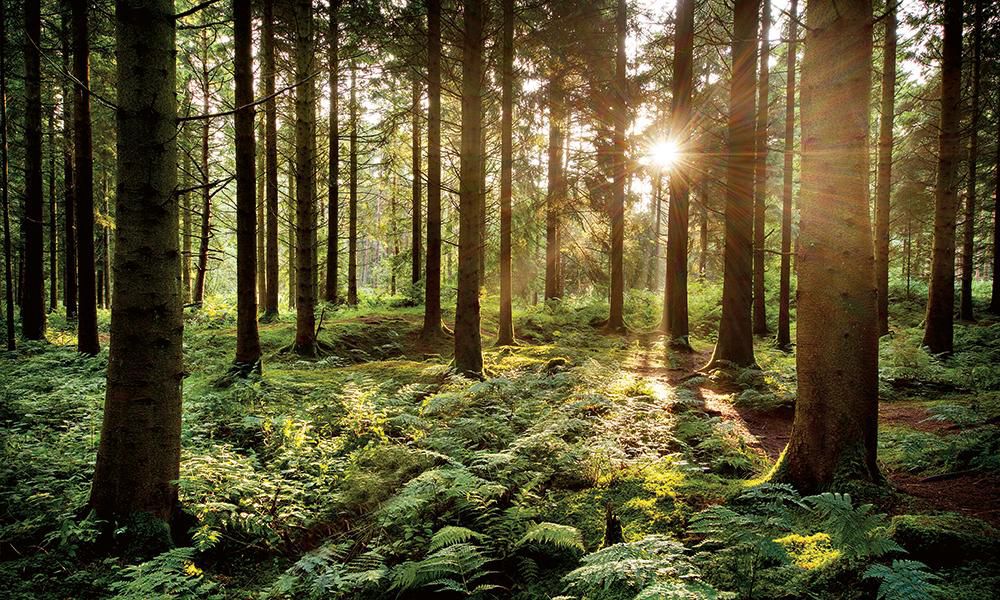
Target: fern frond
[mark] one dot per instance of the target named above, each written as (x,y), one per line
(451,534)
(904,580)
(553,534)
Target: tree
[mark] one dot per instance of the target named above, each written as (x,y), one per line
(432,275)
(969,227)
(784,339)
(415,184)
(270,162)
(555,196)
(7,252)
(468,342)
(87,341)
(760,174)
(69,204)
(883,186)
(735,343)
(247,338)
(505,336)
(939,322)
(33,294)
(138,461)
(186,234)
(675,316)
(616,209)
(995,291)
(201,270)
(833,436)
(352,227)
(53,219)
(305,180)
(333,194)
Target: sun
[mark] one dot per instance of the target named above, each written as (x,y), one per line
(664,154)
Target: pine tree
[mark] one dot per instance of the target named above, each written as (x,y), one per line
(87,341)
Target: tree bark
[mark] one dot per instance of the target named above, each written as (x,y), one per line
(33,290)
(247,339)
(70,294)
(106,244)
(186,234)
(87,340)
(333,195)
(138,462)
(833,436)
(415,184)
(995,291)
(261,212)
(505,336)
(784,339)
(675,316)
(883,186)
(270,162)
(432,285)
(352,231)
(291,234)
(735,343)
(556,192)
(468,341)
(965,311)
(939,322)
(305,180)
(53,219)
(760,174)
(4,158)
(703,228)
(616,209)
(201,271)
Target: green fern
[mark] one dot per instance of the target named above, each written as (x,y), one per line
(904,580)
(171,575)
(857,532)
(451,534)
(459,568)
(553,534)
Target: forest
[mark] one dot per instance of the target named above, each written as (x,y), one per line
(527,299)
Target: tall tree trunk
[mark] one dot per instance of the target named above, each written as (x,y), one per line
(995,291)
(616,209)
(291,235)
(260,218)
(703,228)
(53,219)
(784,339)
(206,190)
(138,462)
(556,193)
(833,436)
(4,157)
(106,244)
(505,336)
(186,233)
(653,277)
(394,234)
(305,180)
(270,162)
(675,315)
(415,184)
(87,341)
(939,322)
(247,339)
(352,228)
(735,344)
(969,229)
(432,275)
(760,174)
(468,341)
(33,297)
(69,204)
(883,186)
(333,195)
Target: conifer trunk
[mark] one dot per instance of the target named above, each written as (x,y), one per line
(270,162)
(138,462)
(415,161)
(505,335)
(784,338)
(939,321)
(352,231)
(4,157)
(87,341)
(201,271)
(965,311)
(186,234)
(432,283)
(333,194)
(995,291)
(53,219)
(32,263)
(616,210)
(305,180)
(70,293)
(556,191)
(833,436)
(760,174)
(883,187)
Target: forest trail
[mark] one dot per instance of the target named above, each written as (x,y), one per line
(970,493)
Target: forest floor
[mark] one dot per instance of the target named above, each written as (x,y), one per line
(374,472)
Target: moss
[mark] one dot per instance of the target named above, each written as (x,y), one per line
(945,539)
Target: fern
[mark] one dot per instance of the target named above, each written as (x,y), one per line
(450,534)
(170,575)
(857,532)
(459,568)
(904,580)
(553,534)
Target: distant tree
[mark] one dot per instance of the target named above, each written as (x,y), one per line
(53,226)
(468,341)
(201,269)
(965,311)
(333,194)
(760,173)
(995,291)
(883,186)
(735,344)
(305,181)
(784,340)
(432,275)
(833,436)
(940,319)
(33,288)
(138,461)
(70,292)
(505,335)
(4,157)
(555,197)
(352,227)
(87,340)
(415,184)
(270,161)
(616,209)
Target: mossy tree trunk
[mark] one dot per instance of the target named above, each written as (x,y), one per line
(305,181)
(833,436)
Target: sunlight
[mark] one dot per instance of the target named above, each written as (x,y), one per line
(664,154)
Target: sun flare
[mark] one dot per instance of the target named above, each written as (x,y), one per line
(664,154)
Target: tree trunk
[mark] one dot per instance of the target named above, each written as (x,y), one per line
(468,341)
(352,231)
(270,162)
(138,462)
(760,174)
(784,339)
(415,194)
(261,244)
(69,204)
(735,344)
(186,234)
(247,339)
(616,209)
(33,294)
(305,180)
(883,186)
(556,193)
(675,315)
(4,157)
(995,291)
(53,219)
(833,437)
(333,195)
(703,228)
(106,244)
(969,229)
(291,235)
(939,322)
(432,276)
(87,341)
(206,191)
(505,335)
